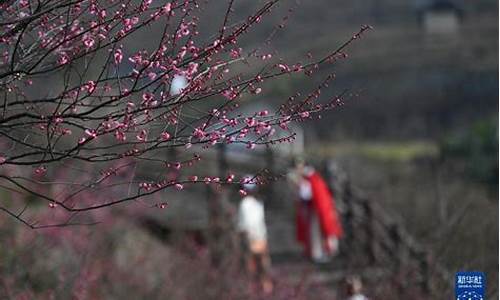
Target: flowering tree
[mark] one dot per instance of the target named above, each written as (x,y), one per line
(81,114)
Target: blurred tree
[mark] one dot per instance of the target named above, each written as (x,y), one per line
(477,147)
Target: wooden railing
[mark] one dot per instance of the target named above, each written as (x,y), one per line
(381,237)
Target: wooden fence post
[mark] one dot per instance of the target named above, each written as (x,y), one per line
(397,239)
(397,244)
(424,270)
(222,164)
(221,227)
(370,232)
(337,180)
(348,220)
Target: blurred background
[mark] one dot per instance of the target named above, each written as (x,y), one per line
(420,133)
(417,136)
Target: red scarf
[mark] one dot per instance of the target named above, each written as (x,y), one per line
(323,205)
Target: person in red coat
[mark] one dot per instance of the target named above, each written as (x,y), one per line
(318,227)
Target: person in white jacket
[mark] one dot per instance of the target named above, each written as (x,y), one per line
(252,226)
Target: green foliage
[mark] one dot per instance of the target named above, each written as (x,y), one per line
(478,148)
(404,151)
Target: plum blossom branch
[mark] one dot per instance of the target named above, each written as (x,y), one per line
(114,109)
